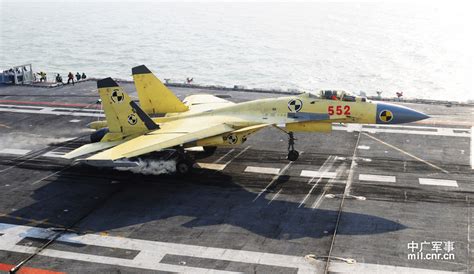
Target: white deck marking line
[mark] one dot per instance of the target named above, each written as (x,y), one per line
(472,148)
(320,198)
(53,111)
(363,147)
(151,252)
(223,156)
(377,178)
(262,170)
(313,174)
(468,234)
(282,171)
(322,170)
(448,132)
(359,268)
(350,179)
(406,153)
(437,182)
(219,167)
(238,154)
(37,156)
(275,196)
(53,154)
(14,151)
(74,121)
(211,166)
(54,173)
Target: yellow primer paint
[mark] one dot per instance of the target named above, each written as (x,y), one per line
(207,120)
(309,127)
(122,119)
(154,96)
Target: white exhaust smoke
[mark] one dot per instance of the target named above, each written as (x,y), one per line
(152,167)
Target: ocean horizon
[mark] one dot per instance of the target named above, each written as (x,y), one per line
(418,49)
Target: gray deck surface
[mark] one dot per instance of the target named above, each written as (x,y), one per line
(233,220)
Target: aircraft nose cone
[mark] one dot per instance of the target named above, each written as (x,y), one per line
(394,114)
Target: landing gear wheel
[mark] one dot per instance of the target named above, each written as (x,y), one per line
(293,155)
(184,167)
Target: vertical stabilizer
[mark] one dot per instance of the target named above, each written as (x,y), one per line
(121,117)
(154,96)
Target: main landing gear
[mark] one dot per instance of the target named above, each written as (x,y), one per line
(292,153)
(184,163)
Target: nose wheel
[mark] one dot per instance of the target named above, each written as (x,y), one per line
(292,153)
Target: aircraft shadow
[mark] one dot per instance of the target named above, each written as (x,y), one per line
(93,200)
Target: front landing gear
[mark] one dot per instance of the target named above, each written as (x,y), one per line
(292,153)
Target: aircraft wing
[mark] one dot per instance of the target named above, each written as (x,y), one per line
(90,148)
(169,135)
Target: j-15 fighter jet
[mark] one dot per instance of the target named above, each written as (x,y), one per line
(129,132)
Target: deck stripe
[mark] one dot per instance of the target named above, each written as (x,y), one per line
(151,252)
(377,178)
(438,182)
(406,153)
(318,174)
(62,104)
(472,148)
(212,166)
(54,154)
(420,130)
(14,151)
(262,170)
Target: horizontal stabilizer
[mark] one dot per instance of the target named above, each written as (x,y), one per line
(150,125)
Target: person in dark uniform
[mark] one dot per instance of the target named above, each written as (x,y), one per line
(70,77)
(59,79)
(78,76)
(84,76)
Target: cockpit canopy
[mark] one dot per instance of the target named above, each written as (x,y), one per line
(337,95)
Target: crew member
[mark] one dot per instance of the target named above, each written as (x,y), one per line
(84,76)
(78,76)
(70,77)
(59,79)
(42,76)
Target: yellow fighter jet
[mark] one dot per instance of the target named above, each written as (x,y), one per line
(210,122)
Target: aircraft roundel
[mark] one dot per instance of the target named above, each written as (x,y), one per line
(295,105)
(132,119)
(232,139)
(386,116)
(117,96)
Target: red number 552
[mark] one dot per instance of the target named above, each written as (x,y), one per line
(339,110)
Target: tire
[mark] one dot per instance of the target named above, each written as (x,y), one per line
(293,155)
(184,167)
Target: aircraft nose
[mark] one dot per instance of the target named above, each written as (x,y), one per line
(394,114)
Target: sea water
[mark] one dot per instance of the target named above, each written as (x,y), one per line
(420,49)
